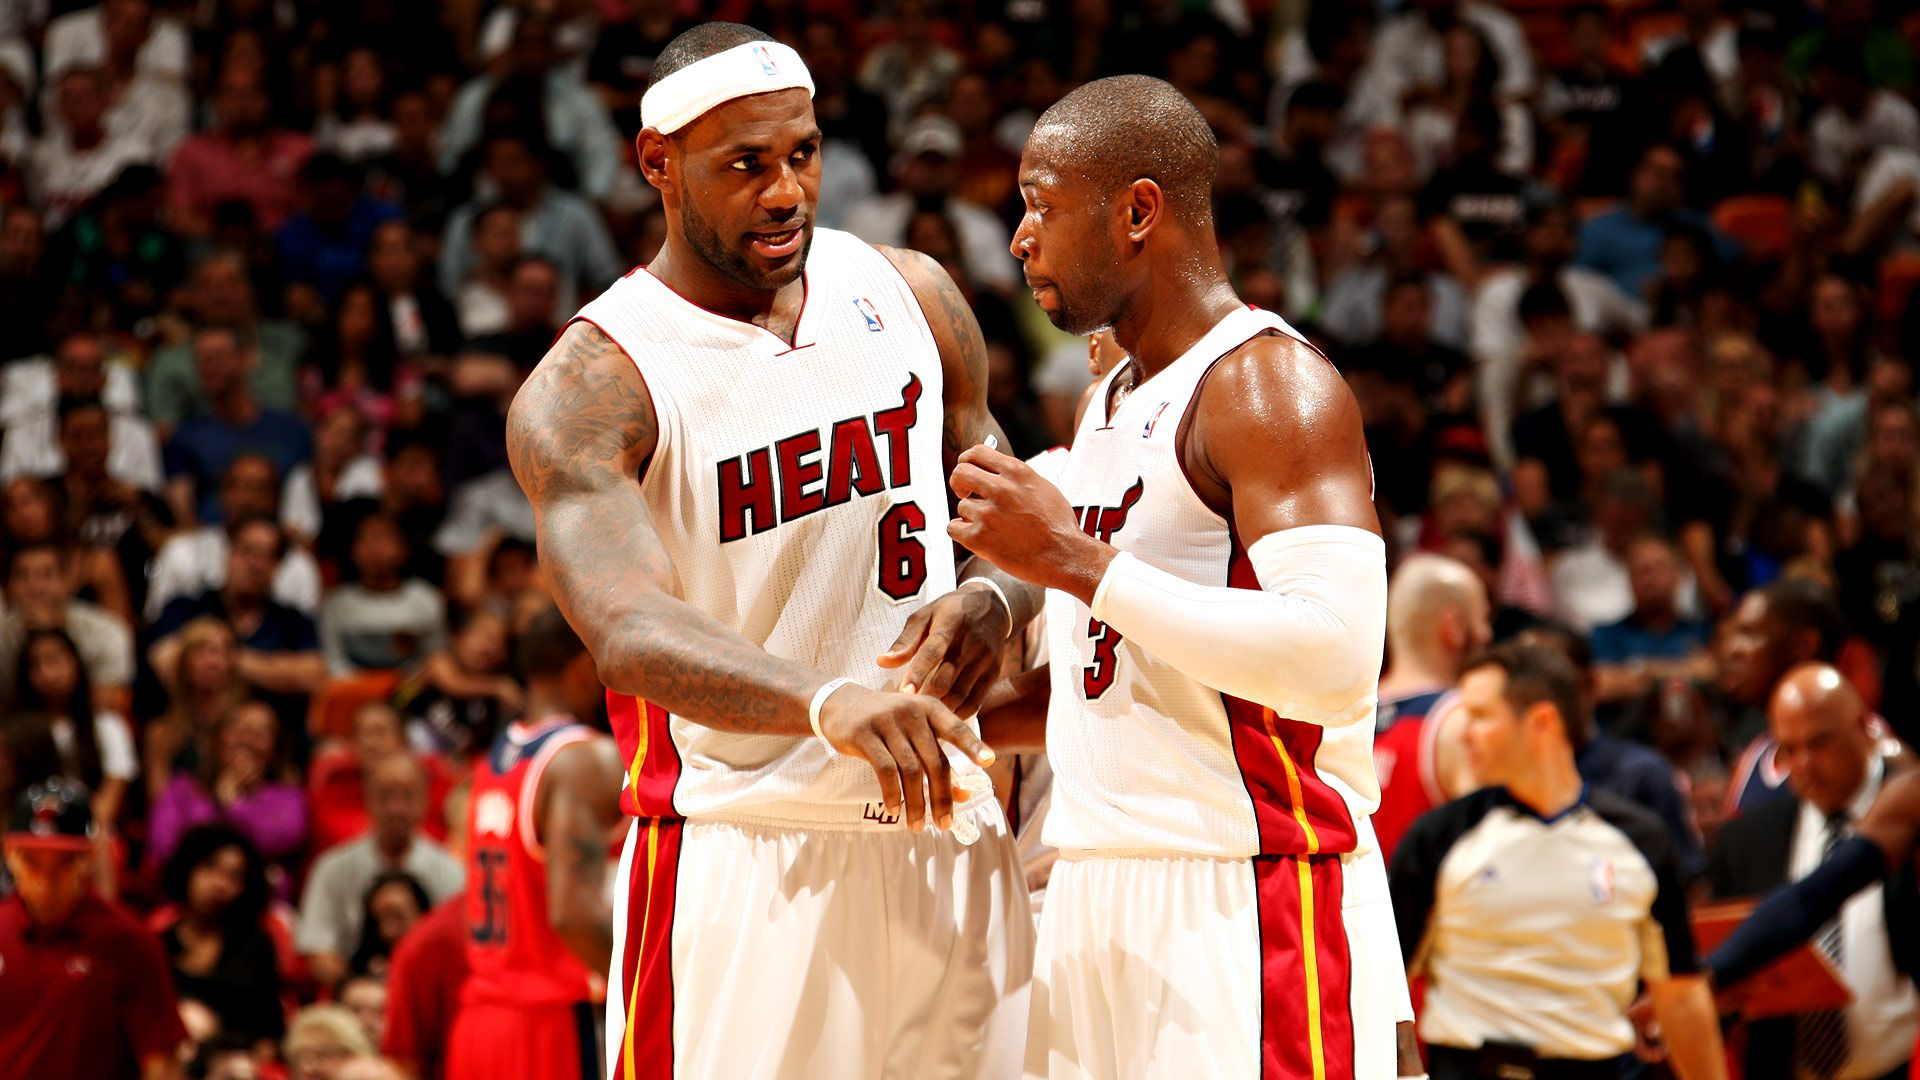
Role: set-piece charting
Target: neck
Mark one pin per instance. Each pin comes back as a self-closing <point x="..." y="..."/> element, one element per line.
<point x="1415" y="670"/>
<point x="1658" y="619"/>
<point x="1177" y="307"/>
<point x="392" y="848"/>
<point x="45" y="916"/>
<point x="239" y="604"/>
<point x="1550" y="788"/>
<point x="685" y="272"/>
<point x="380" y="582"/>
<point x="86" y="138"/>
<point x="234" y="407"/>
<point x="543" y="702"/>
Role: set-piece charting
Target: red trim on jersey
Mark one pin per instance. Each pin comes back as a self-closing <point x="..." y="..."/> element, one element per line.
<point x="1306" y="968"/>
<point x="529" y="798"/>
<point x="1295" y="810"/>
<point x="791" y="346"/>
<point x="646" y="966"/>
<point x="640" y="730"/>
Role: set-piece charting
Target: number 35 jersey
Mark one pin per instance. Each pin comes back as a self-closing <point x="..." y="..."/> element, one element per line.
<point x="513" y="954"/>
<point x="1145" y="758"/>
<point x="799" y="491"/>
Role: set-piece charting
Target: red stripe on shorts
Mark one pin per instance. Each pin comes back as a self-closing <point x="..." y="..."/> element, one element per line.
<point x="646" y="967"/>
<point x="1306" y="972"/>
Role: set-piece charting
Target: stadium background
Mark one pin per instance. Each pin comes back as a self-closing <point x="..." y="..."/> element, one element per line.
<point x="1599" y="274"/>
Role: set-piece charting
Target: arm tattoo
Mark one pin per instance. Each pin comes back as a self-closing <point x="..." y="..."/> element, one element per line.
<point x="578" y="435"/>
<point x="963" y="353"/>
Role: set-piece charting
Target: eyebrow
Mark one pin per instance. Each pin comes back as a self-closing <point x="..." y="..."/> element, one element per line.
<point x="762" y="148"/>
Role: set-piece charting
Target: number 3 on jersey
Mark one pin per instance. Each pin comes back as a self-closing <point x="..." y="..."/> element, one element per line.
<point x="1101" y="522"/>
<point x="903" y="556"/>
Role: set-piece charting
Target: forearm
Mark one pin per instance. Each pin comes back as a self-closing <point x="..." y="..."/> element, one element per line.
<point x="1306" y="644"/>
<point x="1684" y="1006"/>
<point x="1792" y="914"/>
<point x="1025" y="600"/>
<point x="1013" y="718"/>
<point x="285" y="673"/>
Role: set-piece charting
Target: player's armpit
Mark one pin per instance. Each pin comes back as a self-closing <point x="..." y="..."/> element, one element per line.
<point x="579" y="804"/>
<point x="963" y="352"/>
<point x="579" y="434"/>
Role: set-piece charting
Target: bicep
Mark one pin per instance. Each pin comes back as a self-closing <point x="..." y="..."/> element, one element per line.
<point x="1279" y="431"/>
<point x="963" y="352"/>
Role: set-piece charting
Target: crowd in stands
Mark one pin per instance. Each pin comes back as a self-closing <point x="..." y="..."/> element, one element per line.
<point x="1625" y="291"/>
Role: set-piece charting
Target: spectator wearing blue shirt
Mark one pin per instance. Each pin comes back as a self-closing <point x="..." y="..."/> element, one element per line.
<point x="1625" y="243"/>
<point x="1654" y="642"/>
<point x="324" y="247"/>
<point x="233" y="423"/>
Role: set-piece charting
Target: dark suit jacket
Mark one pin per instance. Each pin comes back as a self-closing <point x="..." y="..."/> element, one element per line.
<point x="1750" y="859"/>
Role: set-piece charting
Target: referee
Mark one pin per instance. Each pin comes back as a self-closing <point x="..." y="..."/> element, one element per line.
<point x="1535" y="908"/>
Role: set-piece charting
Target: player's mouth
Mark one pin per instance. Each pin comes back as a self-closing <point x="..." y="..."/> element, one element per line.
<point x="777" y="244"/>
<point x="1043" y="291"/>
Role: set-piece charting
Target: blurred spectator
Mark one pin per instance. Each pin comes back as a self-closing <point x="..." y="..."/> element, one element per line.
<point x="496" y="251"/>
<point x="555" y="224"/>
<point x="337" y="791"/>
<point x="195" y="561"/>
<point x="40" y="597"/>
<point x="242" y="782"/>
<point x="911" y="69"/>
<point x="356" y="126"/>
<point x="412" y="492"/>
<point x="323" y="246"/>
<point x="26" y="282"/>
<point x="1624" y="243"/>
<point x="223" y="1057"/>
<point x="1410" y="49"/>
<point x="115" y="32"/>
<point x="1834" y="770"/>
<point x="96" y="745"/>
<point x="1835" y="364"/>
<point x="1878" y="574"/>
<point x="456" y="701"/>
<point x="529" y="88"/>
<point x="76" y="160"/>
<point x="1548" y="439"/>
<point x="1406" y="352"/>
<point x="1773" y="630"/>
<point x="357" y="366"/>
<point x="366" y="997"/>
<point x="203" y="447"/>
<point x="1854" y="118"/>
<point x="1591" y="583"/>
<point x="221" y="295"/>
<point x="86" y="990"/>
<point x="1655" y="642"/>
<point x="409" y="174"/>
<point x="112" y="437"/>
<point x="395" y="902"/>
<point x="222" y="954"/>
<point x="331" y="908"/>
<point x="621" y="62"/>
<point x="423" y="321"/>
<point x="927" y="169"/>
<point x="854" y="150"/>
<point x="426" y="974"/>
<point x="203" y="685"/>
<point x="33" y="515"/>
<point x="341" y="470"/>
<point x="322" y="1041"/>
<point x="380" y="619"/>
<point x="1353" y="308"/>
<point x="243" y="158"/>
<point x="278" y="654"/>
<point x="116" y="260"/>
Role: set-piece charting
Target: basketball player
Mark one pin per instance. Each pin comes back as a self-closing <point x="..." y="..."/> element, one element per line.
<point x="543" y="809"/>
<point x="735" y="457"/>
<point x="1216" y="611"/>
<point x="1437" y="616"/>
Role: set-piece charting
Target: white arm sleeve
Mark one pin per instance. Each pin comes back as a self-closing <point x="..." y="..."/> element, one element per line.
<point x="1307" y="644"/>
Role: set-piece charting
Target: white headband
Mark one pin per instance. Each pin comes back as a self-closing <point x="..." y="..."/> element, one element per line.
<point x="756" y="67"/>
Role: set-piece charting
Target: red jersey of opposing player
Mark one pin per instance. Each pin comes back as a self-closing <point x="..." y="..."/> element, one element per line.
<point x="1404" y="759"/>
<point x="526" y="1007"/>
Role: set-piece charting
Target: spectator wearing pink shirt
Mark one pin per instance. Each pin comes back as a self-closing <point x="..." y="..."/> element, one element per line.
<point x="241" y="159"/>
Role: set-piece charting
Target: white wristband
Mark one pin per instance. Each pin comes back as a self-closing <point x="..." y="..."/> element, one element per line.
<point x="997" y="591"/>
<point x="820" y="697"/>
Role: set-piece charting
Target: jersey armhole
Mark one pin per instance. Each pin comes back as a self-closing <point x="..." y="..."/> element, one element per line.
<point x="529" y="794"/>
<point x="660" y="419"/>
<point x="1181" y="433"/>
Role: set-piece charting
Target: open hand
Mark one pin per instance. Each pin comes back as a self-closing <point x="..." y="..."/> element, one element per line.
<point x="950" y="648"/>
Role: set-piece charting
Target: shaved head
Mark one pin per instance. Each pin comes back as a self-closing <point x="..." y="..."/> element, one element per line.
<point x="1431" y="598"/>
<point x="1112" y="132"/>
<point x="1820" y="723"/>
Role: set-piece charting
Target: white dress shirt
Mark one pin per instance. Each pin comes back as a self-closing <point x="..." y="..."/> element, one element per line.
<point x="1881" y="1020"/>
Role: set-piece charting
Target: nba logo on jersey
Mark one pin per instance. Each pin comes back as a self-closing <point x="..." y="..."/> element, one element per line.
<point x="871" y="314"/>
<point x="1600" y="879"/>
<point x="767" y="66"/>
<point x="1154" y="420"/>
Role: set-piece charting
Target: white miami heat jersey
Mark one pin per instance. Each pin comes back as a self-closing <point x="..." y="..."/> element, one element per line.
<point x="800" y="493"/>
<point x="1145" y="758"/>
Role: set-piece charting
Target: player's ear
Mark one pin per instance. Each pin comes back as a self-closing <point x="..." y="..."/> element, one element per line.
<point x="654" y="150"/>
<point x="1145" y="203"/>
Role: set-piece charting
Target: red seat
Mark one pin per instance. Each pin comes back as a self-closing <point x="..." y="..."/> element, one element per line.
<point x="331" y="714"/>
<point x="1763" y="224"/>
